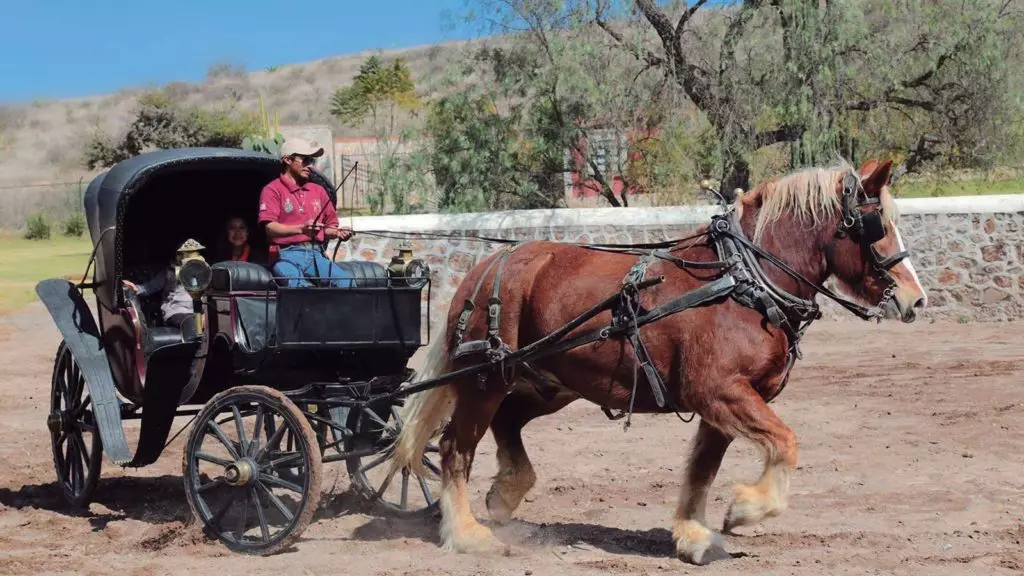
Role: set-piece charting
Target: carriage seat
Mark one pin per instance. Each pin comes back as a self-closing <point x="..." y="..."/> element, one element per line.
<point x="367" y="274"/>
<point x="233" y="275"/>
<point x="243" y="276"/>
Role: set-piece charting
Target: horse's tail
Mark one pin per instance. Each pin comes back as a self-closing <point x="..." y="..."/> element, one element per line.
<point x="424" y="412"/>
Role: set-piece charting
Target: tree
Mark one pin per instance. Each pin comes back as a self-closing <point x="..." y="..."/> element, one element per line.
<point x="802" y="73"/>
<point x="375" y="98"/>
<point x="159" y="124"/>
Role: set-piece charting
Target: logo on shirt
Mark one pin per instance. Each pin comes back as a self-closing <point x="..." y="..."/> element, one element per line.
<point x="263" y="205"/>
<point x="316" y="206"/>
<point x="288" y="206"/>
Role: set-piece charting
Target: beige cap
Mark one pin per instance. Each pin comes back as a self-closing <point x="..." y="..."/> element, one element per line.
<point x="300" y="146"/>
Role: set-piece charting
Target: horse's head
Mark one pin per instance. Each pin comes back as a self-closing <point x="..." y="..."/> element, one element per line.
<point x="868" y="256"/>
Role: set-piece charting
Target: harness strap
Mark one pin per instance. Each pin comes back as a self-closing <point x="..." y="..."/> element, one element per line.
<point x="468" y="306"/>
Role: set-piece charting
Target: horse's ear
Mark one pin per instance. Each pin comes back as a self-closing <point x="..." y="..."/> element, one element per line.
<point x="875" y="176"/>
<point x="867" y="168"/>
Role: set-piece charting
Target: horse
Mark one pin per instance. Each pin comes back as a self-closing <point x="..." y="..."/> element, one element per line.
<point x="722" y="360"/>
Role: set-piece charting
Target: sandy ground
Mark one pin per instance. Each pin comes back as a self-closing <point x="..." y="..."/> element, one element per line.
<point x="911" y="462"/>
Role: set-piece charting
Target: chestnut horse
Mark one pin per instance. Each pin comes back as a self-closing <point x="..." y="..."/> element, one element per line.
<point x="721" y="359"/>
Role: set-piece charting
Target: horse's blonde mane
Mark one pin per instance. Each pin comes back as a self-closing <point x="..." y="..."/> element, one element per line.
<point x="810" y="196"/>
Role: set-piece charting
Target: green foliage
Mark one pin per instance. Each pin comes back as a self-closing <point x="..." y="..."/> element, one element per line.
<point x="38" y="227"/>
<point x="376" y="87"/>
<point x="160" y="124"/>
<point x="269" y="140"/>
<point x="74" y="225"/>
<point x="377" y="94"/>
<point x="475" y="153"/>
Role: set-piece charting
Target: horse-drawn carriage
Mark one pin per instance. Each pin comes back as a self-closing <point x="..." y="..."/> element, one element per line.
<point x="279" y="379"/>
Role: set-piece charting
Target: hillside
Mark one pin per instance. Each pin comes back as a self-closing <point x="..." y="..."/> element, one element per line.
<point x="42" y="141"/>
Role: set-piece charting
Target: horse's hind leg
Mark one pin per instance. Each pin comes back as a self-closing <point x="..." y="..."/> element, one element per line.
<point x="474" y="409"/>
<point x="695" y="542"/>
<point x="515" y="475"/>
<point x="739" y="411"/>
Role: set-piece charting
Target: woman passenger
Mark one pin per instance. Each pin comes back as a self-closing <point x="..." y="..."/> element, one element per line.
<point x="238" y="240"/>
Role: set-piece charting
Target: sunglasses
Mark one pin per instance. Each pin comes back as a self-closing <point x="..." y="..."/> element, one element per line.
<point x="306" y="160"/>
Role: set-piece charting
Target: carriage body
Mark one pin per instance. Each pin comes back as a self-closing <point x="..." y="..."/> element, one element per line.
<point x="316" y="355"/>
<point x="142" y="209"/>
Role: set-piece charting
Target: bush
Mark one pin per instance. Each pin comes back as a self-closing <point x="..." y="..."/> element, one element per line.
<point x="37" y="227"/>
<point x="74" y="225"/>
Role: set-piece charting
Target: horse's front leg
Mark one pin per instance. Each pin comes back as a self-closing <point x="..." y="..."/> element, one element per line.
<point x="744" y="413"/>
<point x="695" y="542"/>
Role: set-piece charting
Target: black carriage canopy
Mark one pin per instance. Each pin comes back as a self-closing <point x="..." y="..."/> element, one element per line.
<point x="143" y="208"/>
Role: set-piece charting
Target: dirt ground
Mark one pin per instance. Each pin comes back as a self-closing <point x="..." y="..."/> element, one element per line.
<point x="911" y="462"/>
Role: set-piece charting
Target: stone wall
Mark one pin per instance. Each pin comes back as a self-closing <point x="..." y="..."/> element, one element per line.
<point x="968" y="251"/>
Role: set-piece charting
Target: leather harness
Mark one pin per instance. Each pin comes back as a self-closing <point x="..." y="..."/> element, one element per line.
<point x="743" y="279"/>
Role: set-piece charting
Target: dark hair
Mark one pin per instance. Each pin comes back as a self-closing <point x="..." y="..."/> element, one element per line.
<point x="223" y="245"/>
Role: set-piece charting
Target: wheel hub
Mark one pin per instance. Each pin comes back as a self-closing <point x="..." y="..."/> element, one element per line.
<point x="240" y="472"/>
<point x="58" y="422"/>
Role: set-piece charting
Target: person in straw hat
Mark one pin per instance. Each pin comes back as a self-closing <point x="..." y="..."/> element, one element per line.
<point x="175" y="302"/>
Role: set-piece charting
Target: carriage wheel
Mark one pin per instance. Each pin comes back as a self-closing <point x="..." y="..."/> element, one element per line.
<point x="251" y="493"/>
<point x="77" y="447"/>
<point x="408" y="494"/>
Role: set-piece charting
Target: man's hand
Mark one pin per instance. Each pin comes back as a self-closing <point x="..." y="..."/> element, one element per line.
<point x="130" y="284"/>
<point x="339" y="233"/>
<point x="311" y="229"/>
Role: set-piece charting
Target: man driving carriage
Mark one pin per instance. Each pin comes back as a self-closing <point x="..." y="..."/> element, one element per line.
<point x="298" y="217"/>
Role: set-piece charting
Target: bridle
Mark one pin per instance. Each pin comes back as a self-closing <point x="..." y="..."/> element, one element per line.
<point x="868" y="228"/>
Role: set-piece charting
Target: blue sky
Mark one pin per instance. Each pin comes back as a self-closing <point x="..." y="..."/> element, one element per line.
<point x="70" y="48"/>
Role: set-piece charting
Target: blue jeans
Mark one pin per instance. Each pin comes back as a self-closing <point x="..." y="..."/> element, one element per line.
<point x="296" y="264"/>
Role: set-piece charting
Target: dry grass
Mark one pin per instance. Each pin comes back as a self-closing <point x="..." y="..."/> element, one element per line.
<point x="43" y="140"/>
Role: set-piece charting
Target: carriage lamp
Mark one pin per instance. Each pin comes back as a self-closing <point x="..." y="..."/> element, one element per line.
<point x="195" y="275"/>
<point x="405" y="269"/>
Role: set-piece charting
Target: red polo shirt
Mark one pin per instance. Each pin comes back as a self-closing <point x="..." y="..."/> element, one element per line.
<point x="282" y="200"/>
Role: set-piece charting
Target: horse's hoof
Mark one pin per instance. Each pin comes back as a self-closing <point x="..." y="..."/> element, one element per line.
<point x="476" y="539"/>
<point x="699" y="545"/>
<point x="498" y="511"/>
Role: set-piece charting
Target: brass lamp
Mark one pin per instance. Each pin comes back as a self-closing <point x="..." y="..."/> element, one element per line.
<point x="194" y="274"/>
<point x="405" y="269"/>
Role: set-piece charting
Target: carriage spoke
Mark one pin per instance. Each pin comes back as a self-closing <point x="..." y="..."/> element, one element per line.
<point x="66" y="388"/>
<point x="276" y="501"/>
<point x="275" y="481"/>
<point x="278" y="463"/>
<point x="83" y="452"/>
<point x="212" y="459"/>
<point x="243" y="522"/>
<point x="76" y="392"/>
<point x="427" y="495"/>
<point x="215" y="520"/>
<point x="240" y="428"/>
<point x="260" y="514"/>
<point x="219" y="432"/>
<point x="374" y="463"/>
<point x="254" y="444"/>
<point x="405" y="488"/>
<point x="431" y="466"/>
<point x="274" y="440"/>
<point x="220" y="481"/>
<point x="373" y="416"/>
